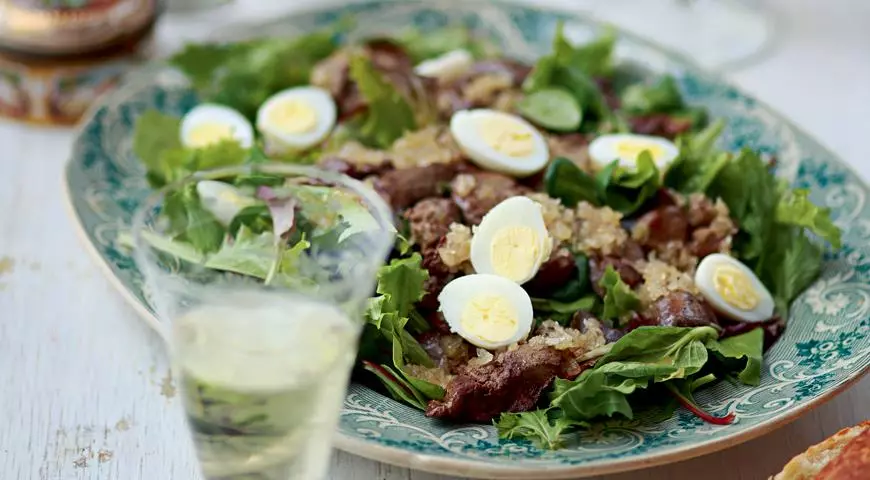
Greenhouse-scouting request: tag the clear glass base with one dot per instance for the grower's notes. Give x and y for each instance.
(717, 34)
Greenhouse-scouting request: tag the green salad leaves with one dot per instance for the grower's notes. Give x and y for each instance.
(675, 360)
(572, 69)
(243, 75)
(389, 318)
(389, 115)
(773, 219)
(622, 189)
(619, 299)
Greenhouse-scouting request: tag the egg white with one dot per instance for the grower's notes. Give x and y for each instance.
(278, 141)
(704, 281)
(243, 132)
(514, 211)
(603, 150)
(222, 200)
(464, 126)
(456, 295)
(447, 66)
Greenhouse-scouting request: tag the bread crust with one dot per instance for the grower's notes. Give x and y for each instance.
(834, 458)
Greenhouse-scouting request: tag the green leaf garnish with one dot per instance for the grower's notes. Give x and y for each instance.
(389, 114)
(537, 427)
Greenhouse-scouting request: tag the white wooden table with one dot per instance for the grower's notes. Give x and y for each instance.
(86, 392)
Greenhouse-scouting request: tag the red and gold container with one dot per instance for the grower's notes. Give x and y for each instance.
(58, 56)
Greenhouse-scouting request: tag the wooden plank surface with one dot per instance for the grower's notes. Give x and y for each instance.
(86, 392)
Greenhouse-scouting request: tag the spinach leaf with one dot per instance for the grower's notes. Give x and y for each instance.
(536, 426)
(564, 180)
(389, 114)
(619, 299)
(698, 163)
(644, 355)
(660, 97)
(398, 387)
(625, 190)
(585, 304)
(741, 353)
(578, 286)
(427, 389)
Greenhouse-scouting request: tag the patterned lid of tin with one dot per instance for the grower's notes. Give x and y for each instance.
(65, 27)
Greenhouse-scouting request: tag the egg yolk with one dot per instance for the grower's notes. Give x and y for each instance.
(506, 136)
(735, 287)
(208, 133)
(292, 116)
(514, 252)
(490, 317)
(630, 149)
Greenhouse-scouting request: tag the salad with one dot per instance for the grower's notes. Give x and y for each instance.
(573, 244)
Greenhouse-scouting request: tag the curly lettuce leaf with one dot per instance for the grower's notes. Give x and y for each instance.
(400, 285)
(619, 299)
(795, 208)
(773, 221)
(537, 427)
(389, 115)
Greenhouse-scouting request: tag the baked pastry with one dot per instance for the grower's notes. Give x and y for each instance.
(844, 456)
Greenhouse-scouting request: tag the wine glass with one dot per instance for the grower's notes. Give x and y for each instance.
(262, 273)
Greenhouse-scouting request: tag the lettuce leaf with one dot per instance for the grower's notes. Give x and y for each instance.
(243, 75)
(190, 222)
(537, 427)
(660, 97)
(773, 221)
(424, 45)
(626, 190)
(567, 182)
(401, 285)
(795, 208)
(156, 142)
(389, 115)
(595, 58)
(742, 353)
(698, 163)
(619, 299)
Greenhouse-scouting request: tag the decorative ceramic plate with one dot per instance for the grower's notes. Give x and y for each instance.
(825, 347)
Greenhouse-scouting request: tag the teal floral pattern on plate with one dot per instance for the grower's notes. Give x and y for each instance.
(826, 345)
